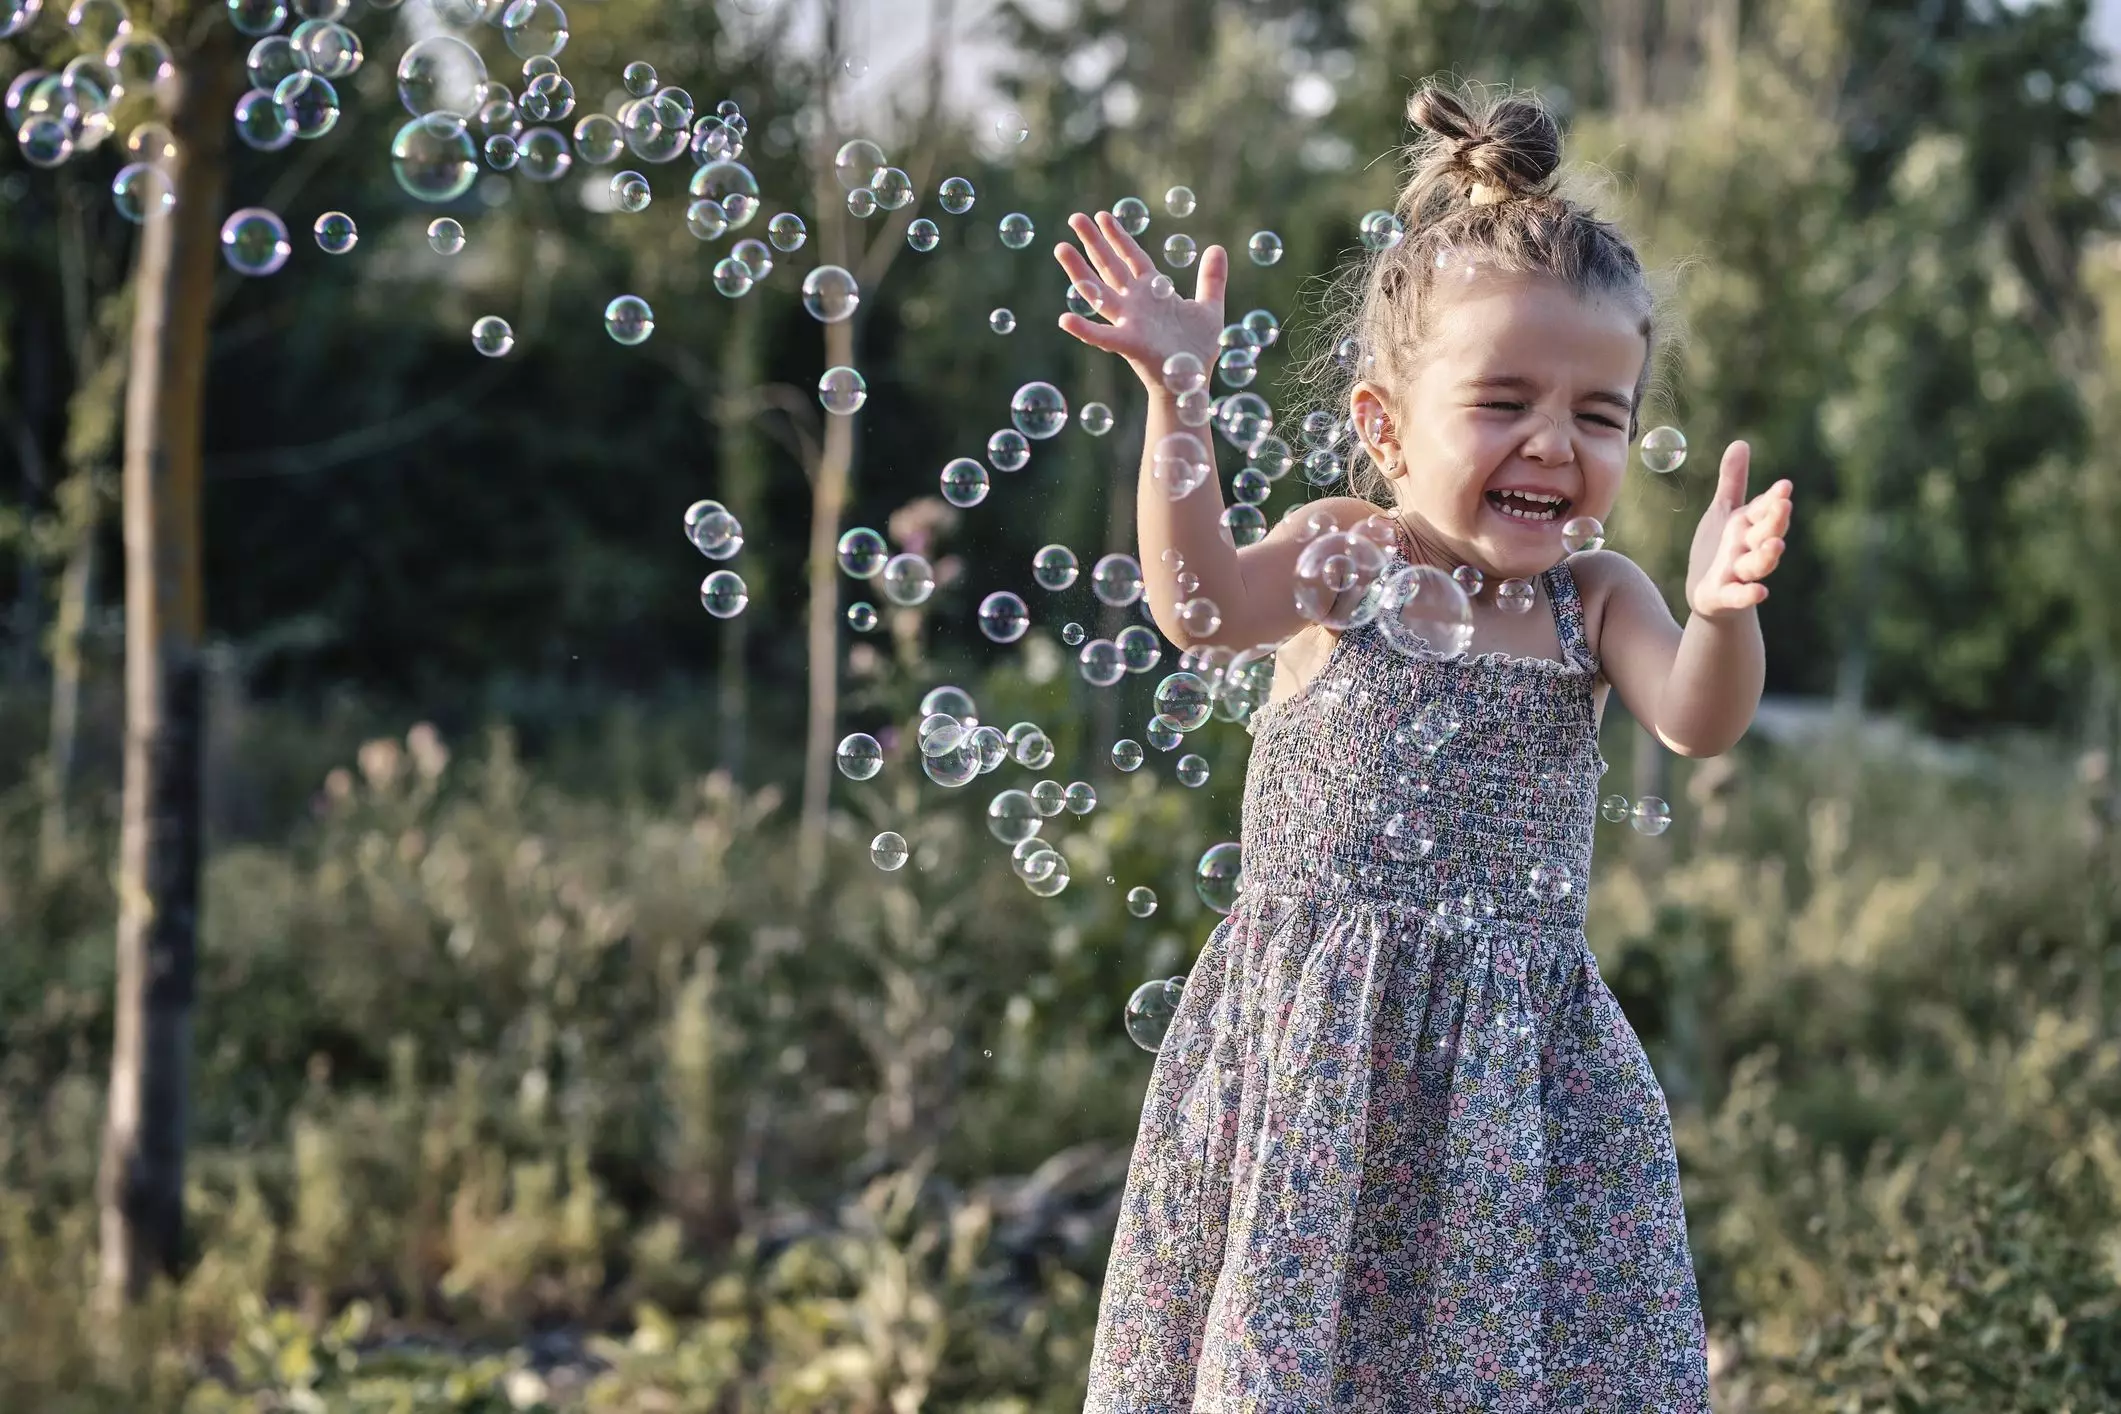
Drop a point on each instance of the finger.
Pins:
(1093, 333)
(1214, 278)
(1730, 477)
(1072, 262)
(1124, 247)
(1102, 259)
(1756, 565)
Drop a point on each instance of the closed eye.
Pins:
(1598, 418)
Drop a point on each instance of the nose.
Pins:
(1549, 445)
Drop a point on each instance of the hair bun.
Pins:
(1511, 143)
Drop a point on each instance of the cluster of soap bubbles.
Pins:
(56, 115)
(716, 533)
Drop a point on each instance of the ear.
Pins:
(1370, 414)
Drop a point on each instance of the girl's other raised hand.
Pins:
(1136, 324)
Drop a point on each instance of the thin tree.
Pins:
(140, 1187)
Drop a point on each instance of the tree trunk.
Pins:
(69, 628)
(744, 484)
(140, 1187)
(828, 502)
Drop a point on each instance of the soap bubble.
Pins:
(1179, 250)
(859, 756)
(1149, 1012)
(446, 235)
(1333, 577)
(310, 104)
(1016, 230)
(1072, 634)
(270, 60)
(841, 390)
(1582, 533)
(731, 186)
(861, 203)
(1132, 214)
(254, 241)
(1138, 648)
(550, 97)
(1116, 580)
(888, 851)
(1262, 327)
(261, 124)
(1265, 247)
(1548, 883)
(723, 594)
(1126, 755)
(1141, 900)
(534, 27)
(491, 336)
(1181, 464)
(1614, 808)
(1271, 457)
(1010, 126)
(1095, 419)
(830, 294)
(908, 580)
(141, 190)
(1323, 467)
(856, 163)
(1012, 818)
(433, 159)
(1002, 615)
(630, 191)
(964, 482)
(788, 233)
(629, 320)
(956, 195)
(1081, 798)
(1163, 732)
(1008, 450)
(1237, 367)
(1218, 876)
(1514, 596)
(1088, 297)
(1422, 609)
(502, 152)
(639, 78)
(1650, 816)
(1101, 662)
(1038, 410)
(1469, 578)
(336, 233)
(706, 220)
(756, 256)
(1243, 525)
(1184, 698)
(1183, 373)
(862, 552)
(1200, 617)
(1663, 449)
(893, 189)
(249, 18)
(440, 74)
(1179, 201)
(542, 155)
(1192, 770)
(733, 278)
(1054, 568)
(1381, 231)
(597, 139)
(1002, 321)
(922, 235)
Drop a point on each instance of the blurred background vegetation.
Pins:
(529, 1073)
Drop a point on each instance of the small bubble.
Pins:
(1179, 202)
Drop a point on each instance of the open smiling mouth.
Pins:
(1529, 505)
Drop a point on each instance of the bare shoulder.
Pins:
(1345, 510)
(1600, 575)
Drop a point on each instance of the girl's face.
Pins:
(1515, 423)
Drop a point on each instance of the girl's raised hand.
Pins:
(1738, 543)
(1137, 325)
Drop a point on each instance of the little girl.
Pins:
(1401, 1150)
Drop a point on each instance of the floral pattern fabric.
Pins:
(1400, 1149)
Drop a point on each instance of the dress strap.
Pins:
(1568, 615)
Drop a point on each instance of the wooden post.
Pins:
(140, 1187)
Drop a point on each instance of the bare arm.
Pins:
(1253, 587)
(1697, 688)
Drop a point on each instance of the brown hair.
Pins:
(1483, 185)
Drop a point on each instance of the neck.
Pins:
(1423, 546)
